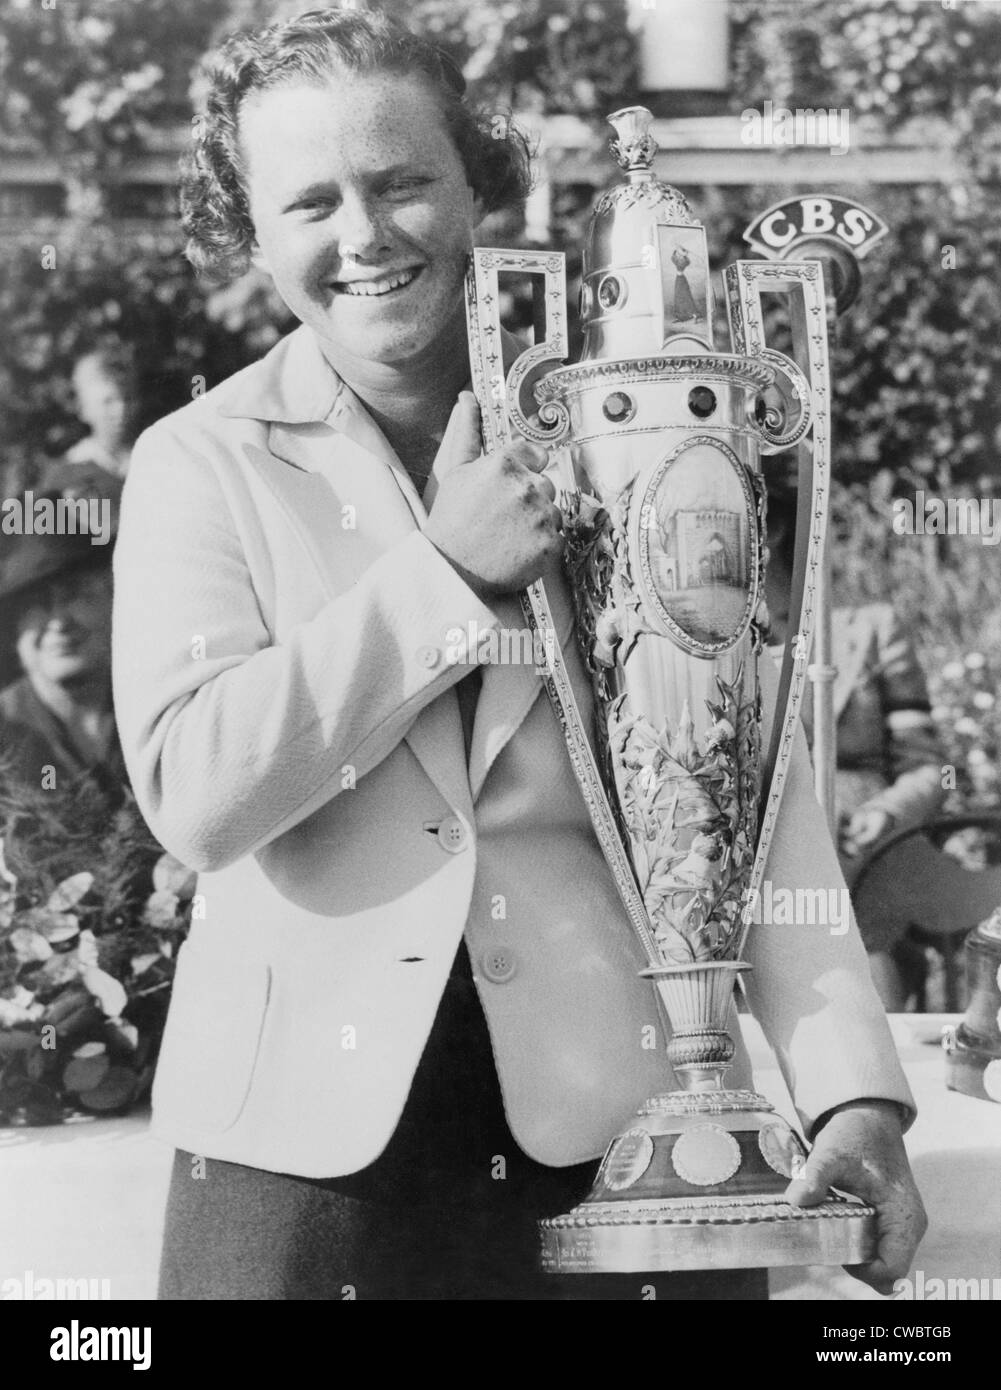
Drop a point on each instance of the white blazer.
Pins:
(287, 710)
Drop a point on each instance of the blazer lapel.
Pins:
(335, 470)
(509, 690)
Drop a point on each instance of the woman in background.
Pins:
(889, 763)
(55, 662)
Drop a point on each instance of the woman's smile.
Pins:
(377, 287)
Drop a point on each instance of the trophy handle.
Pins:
(782, 429)
(500, 409)
(803, 281)
(499, 396)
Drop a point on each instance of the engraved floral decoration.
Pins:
(687, 806)
(652, 195)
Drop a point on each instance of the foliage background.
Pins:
(91, 82)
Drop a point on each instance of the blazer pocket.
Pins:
(212, 1038)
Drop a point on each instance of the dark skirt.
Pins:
(447, 1212)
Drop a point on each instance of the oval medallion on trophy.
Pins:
(698, 546)
(781, 1149)
(705, 1155)
(628, 1159)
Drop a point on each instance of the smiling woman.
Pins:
(409, 1019)
(310, 51)
(338, 153)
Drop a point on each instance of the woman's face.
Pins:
(64, 631)
(102, 404)
(362, 211)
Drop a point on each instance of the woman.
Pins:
(684, 301)
(106, 385)
(55, 669)
(387, 852)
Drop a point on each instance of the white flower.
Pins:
(607, 635)
(983, 699)
(953, 671)
(976, 661)
(588, 508)
(95, 31)
(968, 727)
(719, 732)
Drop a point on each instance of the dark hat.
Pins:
(29, 559)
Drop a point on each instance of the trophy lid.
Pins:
(641, 237)
(633, 147)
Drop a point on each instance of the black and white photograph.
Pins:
(591, 957)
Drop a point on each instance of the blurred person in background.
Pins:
(56, 717)
(106, 388)
(889, 762)
(106, 385)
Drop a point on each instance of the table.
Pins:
(955, 1150)
(85, 1200)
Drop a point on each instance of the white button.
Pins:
(452, 835)
(499, 964)
(428, 656)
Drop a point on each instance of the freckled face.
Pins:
(362, 212)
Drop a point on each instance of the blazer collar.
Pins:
(293, 384)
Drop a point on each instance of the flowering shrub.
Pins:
(86, 957)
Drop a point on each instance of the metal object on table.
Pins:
(659, 438)
(973, 1047)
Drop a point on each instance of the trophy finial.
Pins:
(633, 147)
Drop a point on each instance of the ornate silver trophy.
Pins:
(659, 438)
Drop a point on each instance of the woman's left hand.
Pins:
(860, 1150)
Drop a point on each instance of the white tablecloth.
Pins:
(85, 1201)
(955, 1151)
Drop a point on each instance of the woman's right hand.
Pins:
(493, 516)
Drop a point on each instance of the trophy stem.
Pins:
(698, 1180)
(697, 999)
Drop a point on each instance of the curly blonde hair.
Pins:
(312, 48)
